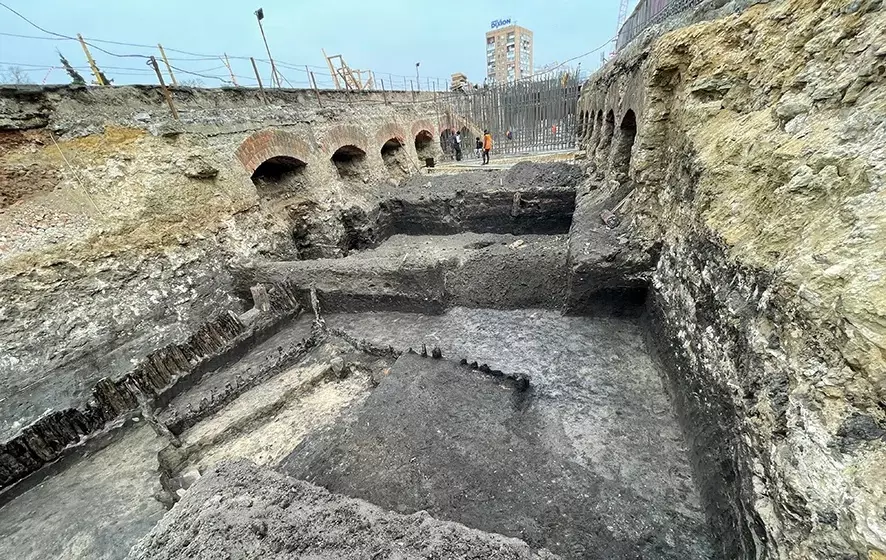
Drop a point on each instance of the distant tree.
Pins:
(14, 75)
(76, 78)
(191, 82)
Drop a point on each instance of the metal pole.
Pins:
(417, 80)
(259, 14)
(258, 78)
(314, 83)
(153, 62)
(168, 67)
(95, 72)
(383, 92)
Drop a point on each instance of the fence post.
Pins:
(153, 62)
(314, 83)
(261, 88)
(383, 91)
(168, 66)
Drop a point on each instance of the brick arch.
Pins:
(388, 131)
(423, 124)
(344, 135)
(267, 144)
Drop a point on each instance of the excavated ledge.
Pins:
(240, 510)
(162, 375)
(529, 199)
(431, 273)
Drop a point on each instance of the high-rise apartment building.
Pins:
(508, 53)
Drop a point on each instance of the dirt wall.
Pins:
(122, 228)
(758, 164)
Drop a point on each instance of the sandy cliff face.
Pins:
(759, 161)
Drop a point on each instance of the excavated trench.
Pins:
(430, 371)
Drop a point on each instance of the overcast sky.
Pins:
(387, 36)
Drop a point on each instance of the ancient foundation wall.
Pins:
(753, 153)
(122, 230)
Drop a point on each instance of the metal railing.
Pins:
(650, 12)
(531, 115)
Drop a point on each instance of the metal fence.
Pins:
(650, 12)
(530, 115)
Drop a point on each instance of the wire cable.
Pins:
(321, 73)
(71, 38)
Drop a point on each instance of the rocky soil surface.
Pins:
(242, 511)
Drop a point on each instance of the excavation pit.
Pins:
(588, 461)
(440, 376)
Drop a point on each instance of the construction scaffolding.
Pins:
(352, 78)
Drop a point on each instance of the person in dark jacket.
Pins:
(456, 144)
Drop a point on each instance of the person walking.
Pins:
(457, 146)
(487, 146)
(479, 148)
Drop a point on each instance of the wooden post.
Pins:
(153, 62)
(314, 83)
(258, 78)
(331, 69)
(231, 72)
(95, 72)
(168, 67)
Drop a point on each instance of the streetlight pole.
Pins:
(275, 77)
(417, 81)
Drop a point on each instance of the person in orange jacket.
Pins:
(487, 146)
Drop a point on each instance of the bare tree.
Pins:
(14, 75)
(191, 82)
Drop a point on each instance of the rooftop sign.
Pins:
(496, 23)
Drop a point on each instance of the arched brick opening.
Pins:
(269, 144)
(350, 161)
(582, 128)
(606, 136)
(446, 136)
(279, 176)
(624, 145)
(393, 154)
(424, 144)
(596, 131)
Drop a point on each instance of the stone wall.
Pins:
(758, 164)
(122, 229)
